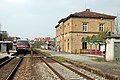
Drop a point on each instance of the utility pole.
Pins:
(0, 28)
(1, 32)
(1, 38)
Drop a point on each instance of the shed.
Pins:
(5, 46)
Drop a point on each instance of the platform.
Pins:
(2, 55)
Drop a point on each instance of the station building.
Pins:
(71, 30)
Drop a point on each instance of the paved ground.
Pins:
(2, 55)
(108, 67)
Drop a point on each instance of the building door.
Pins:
(102, 47)
(117, 50)
(84, 45)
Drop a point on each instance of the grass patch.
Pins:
(60, 59)
(116, 62)
(99, 59)
(47, 54)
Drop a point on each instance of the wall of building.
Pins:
(110, 52)
(93, 24)
(70, 32)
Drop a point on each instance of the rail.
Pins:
(60, 76)
(10, 77)
(5, 62)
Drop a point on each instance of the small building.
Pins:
(5, 46)
(71, 30)
(113, 48)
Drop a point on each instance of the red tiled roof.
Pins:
(42, 39)
(89, 14)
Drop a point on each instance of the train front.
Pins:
(22, 45)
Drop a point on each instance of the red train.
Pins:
(22, 45)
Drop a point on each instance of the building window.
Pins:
(84, 27)
(84, 45)
(68, 44)
(68, 24)
(101, 27)
(75, 25)
(65, 26)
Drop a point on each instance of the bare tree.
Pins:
(117, 24)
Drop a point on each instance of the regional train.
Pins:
(22, 45)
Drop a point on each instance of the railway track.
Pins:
(24, 70)
(42, 67)
(40, 71)
(65, 72)
(9, 67)
(7, 60)
(13, 72)
(62, 72)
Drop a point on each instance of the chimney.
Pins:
(88, 10)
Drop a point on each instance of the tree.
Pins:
(3, 35)
(102, 36)
(37, 44)
(53, 42)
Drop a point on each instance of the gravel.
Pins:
(24, 71)
(90, 74)
(66, 73)
(41, 71)
(107, 67)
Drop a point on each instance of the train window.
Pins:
(22, 43)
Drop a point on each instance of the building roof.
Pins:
(87, 14)
(57, 26)
(6, 42)
(47, 39)
(61, 20)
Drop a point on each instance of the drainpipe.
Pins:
(111, 27)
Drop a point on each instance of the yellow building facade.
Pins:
(71, 30)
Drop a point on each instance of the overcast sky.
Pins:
(38, 18)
